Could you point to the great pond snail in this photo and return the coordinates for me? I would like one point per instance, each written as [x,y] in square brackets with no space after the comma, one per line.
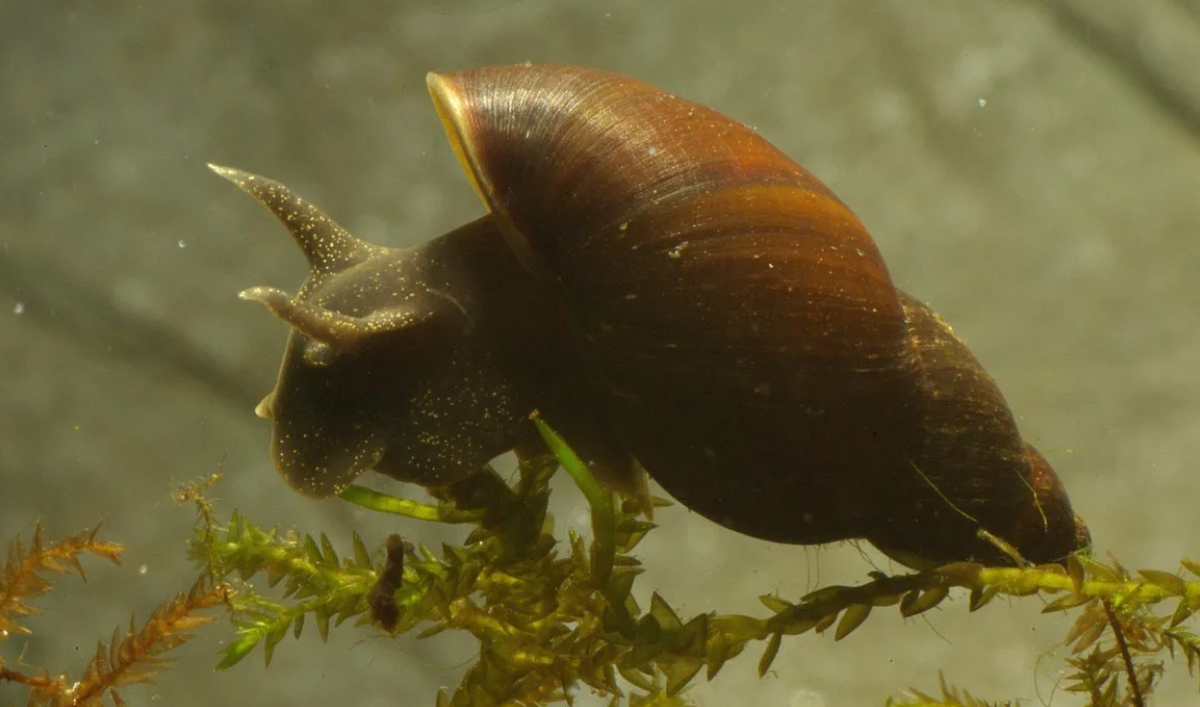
[671,293]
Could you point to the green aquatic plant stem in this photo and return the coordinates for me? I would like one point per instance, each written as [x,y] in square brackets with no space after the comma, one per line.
[604,521]
[376,501]
[921,591]
[599,498]
[1105,582]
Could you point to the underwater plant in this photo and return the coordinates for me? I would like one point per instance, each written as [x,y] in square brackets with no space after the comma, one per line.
[134,655]
[554,614]
[554,617]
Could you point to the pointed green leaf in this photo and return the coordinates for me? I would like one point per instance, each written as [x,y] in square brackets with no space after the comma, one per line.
[693,638]
[982,596]
[238,649]
[1169,582]
[649,631]
[1102,571]
[774,603]
[768,656]
[852,618]
[321,614]
[679,673]
[664,614]
[636,678]
[719,651]
[1075,571]
[362,557]
[311,551]
[1182,613]
[328,553]
[1070,601]
[272,639]
[926,601]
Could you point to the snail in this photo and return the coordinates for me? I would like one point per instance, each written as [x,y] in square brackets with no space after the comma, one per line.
[676,297]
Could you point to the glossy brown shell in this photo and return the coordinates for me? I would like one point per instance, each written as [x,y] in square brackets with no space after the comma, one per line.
[687,212]
[751,349]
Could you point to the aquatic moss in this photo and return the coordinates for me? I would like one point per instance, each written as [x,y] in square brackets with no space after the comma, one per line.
[555,615]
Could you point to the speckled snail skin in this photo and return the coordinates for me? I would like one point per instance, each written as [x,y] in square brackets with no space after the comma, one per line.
[673,294]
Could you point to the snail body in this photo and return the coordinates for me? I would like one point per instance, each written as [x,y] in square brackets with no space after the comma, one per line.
[673,294]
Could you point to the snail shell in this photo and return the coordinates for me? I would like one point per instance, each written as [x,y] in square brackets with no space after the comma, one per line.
[672,293]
